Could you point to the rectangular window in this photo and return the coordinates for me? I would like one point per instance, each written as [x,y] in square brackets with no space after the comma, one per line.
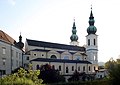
[2,72]
[16,63]
[27,58]
[12,53]
[12,62]
[4,60]
[20,63]
[16,54]
[19,56]
[4,50]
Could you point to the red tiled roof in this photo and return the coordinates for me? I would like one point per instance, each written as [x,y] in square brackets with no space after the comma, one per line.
[5,37]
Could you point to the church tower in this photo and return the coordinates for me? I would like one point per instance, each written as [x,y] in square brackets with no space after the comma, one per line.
[74,37]
[20,44]
[92,43]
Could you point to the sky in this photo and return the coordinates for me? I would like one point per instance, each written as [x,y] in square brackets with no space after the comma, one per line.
[52,21]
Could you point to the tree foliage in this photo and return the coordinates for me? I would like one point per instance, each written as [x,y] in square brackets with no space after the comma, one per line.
[50,75]
[114,71]
[22,77]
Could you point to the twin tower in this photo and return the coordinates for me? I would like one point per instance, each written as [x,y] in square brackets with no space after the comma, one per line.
[91,40]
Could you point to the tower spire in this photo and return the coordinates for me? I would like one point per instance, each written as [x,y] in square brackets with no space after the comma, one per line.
[20,38]
[91,29]
[74,37]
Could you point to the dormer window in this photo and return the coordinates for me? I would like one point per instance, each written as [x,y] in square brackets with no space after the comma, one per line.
[53,56]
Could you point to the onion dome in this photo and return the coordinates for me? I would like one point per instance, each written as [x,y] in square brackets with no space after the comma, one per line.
[20,44]
[74,37]
[91,29]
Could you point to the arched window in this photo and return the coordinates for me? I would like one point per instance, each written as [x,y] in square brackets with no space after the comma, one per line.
[37,67]
[94,58]
[83,68]
[94,68]
[72,68]
[88,42]
[53,67]
[94,42]
[59,68]
[89,68]
[67,70]
[53,56]
[79,68]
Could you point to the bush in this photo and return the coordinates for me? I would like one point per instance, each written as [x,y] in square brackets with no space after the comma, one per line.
[95,82]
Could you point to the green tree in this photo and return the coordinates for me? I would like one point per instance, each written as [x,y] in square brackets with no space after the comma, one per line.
[50,75]
[110,64]
[22,77]
[114,71]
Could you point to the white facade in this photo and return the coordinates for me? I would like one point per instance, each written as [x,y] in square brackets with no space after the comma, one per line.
[92,50]
[10,58]
[33,53]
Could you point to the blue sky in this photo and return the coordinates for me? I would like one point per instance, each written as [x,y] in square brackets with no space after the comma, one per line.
[52,20]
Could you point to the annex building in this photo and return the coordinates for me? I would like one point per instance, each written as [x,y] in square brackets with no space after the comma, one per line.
[11,53]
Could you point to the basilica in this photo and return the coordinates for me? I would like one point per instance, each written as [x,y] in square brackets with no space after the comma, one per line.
[65,58]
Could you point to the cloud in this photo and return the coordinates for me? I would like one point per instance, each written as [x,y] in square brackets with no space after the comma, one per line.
[12,2]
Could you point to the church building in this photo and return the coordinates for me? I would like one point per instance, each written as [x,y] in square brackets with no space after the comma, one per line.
[65,58]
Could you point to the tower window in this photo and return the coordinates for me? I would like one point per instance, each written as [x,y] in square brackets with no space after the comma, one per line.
[94,42]
[88,42]
[89,68]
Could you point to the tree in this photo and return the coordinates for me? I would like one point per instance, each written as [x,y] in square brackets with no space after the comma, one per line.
[110,64]
[75,76]
[22,77]
[114,71]
[50,75]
